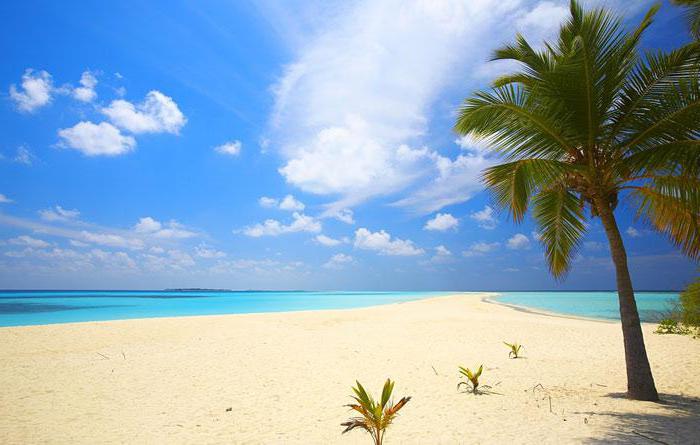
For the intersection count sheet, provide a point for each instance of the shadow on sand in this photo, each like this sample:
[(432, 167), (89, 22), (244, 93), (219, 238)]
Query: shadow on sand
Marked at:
[(676, 422)]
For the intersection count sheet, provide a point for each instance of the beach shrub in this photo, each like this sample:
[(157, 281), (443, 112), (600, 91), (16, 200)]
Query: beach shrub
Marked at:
[(472, 382), (514, 349), (374, 417), (671, 326), (684, 317), (690, 304)]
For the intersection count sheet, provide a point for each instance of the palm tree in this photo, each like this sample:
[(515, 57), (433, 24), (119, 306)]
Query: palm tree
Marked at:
[(692, 14), (587, 122)]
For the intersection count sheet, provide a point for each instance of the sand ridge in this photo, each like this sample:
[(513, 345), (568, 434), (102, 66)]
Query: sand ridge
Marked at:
[(286, 376)]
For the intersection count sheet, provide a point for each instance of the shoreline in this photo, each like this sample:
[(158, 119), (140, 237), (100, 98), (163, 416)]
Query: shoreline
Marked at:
[(284, 377), (170, 317), (487, 297), (531, 310)]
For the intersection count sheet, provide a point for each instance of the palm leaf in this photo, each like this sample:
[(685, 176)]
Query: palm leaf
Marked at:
[(559, 214)]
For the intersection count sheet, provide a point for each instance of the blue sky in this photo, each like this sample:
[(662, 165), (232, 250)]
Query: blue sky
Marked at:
[(273, 145)]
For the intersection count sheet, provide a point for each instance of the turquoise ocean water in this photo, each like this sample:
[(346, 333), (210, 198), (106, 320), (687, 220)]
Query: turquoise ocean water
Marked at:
[(651, 305), (46, 307)]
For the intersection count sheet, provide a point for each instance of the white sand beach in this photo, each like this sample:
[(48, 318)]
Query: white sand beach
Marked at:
[(284, 378)]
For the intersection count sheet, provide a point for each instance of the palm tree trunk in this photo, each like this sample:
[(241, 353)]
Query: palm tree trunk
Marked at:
[(640, 381)]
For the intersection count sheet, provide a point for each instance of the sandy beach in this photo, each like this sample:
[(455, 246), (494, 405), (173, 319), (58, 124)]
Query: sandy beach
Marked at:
[(284, 378)]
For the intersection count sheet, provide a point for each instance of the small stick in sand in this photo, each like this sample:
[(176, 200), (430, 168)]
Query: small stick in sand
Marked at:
[(434, 370), (649, 438), (103, 356)]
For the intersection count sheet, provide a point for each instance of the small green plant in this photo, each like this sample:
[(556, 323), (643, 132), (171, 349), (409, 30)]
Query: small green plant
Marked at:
[(472, 382), (514, 349), (690, 304), (374, 417), (671, 326)]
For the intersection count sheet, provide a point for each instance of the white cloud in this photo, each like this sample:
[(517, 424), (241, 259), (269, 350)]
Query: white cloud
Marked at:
[(290, 203), (232, 148), (158, 113), (272, 227), (4, 199), (338, 261), (25, 240), (203, 251), (383, 243), (58, 213), (456, 182), (474, 144), (173, 259), (264, 201), (485, 218), (35, 92), (76, 243), (343, 215), (147, 225), (632, 232), (58, 259), (480, 248), (327, 240), (442, 251), (96, 139), (87, 233), (24, 156), (174, 230), (518, 241), (169, 230), (594, 246), (361, 61), (111, 240), (86, 92), (442, 222), (542, 22), (442, 256)]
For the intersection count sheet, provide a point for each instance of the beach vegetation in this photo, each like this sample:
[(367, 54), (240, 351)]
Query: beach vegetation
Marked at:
[(671, 326), (588, 122), (690, 305), (375, 416), (472, 379), (514, 349)]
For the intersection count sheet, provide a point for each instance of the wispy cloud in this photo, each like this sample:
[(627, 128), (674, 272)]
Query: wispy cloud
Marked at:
[(231, 148), (339, 261), (485, 218), (273, 227)]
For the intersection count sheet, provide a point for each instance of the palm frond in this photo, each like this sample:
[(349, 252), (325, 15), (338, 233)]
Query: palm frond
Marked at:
[(670, 204), (559, 215), (672, 115), (514, 125), (512, 184), (692, 15), (677, 156), (651, 79)]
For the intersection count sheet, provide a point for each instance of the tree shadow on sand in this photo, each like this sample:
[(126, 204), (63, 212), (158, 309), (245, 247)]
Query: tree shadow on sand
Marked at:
[(679, 423)]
